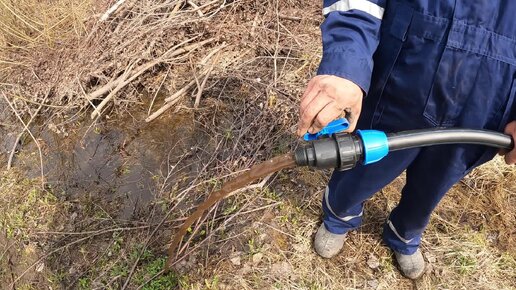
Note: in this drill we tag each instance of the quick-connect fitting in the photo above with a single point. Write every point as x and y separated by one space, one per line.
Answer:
341 151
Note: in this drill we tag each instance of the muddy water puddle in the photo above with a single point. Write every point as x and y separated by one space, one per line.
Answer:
119 161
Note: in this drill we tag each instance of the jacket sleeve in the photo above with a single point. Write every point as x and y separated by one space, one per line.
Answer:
350 36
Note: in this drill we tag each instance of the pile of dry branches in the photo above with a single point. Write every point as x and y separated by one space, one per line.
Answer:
130 52
128 43
235 65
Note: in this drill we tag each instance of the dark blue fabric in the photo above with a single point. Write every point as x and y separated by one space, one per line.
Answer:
437 63
349 40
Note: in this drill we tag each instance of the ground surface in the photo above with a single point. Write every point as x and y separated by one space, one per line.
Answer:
116 187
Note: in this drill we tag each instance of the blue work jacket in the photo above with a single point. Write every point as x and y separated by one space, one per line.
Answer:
447 62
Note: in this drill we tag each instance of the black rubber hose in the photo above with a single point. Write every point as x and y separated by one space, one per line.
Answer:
440 136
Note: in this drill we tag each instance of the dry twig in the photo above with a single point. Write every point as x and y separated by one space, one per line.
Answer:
174 51
195 7
203 84
111 10
176 8
169 104
13 150
173 99
123 80
157 92
26 128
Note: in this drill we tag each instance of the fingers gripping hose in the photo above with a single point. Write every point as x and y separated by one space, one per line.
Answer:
343 151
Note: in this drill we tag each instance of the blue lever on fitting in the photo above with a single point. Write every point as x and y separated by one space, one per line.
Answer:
336 126
375 145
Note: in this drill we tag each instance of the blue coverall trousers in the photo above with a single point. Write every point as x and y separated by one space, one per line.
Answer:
431 172
446 65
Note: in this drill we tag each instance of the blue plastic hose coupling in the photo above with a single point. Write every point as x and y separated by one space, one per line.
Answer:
375 145
331 149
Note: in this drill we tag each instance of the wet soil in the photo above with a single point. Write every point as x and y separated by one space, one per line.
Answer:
118 161
123 172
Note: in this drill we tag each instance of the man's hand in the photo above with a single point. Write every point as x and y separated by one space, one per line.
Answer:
510 157
326 98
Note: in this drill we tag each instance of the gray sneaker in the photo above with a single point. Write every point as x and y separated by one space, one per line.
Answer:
411 266
327 244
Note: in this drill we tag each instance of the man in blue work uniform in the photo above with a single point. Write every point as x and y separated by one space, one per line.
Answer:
410 64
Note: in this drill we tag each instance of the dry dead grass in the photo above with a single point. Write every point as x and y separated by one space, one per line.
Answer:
469 243
255 240
84 67
25 211
28 26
